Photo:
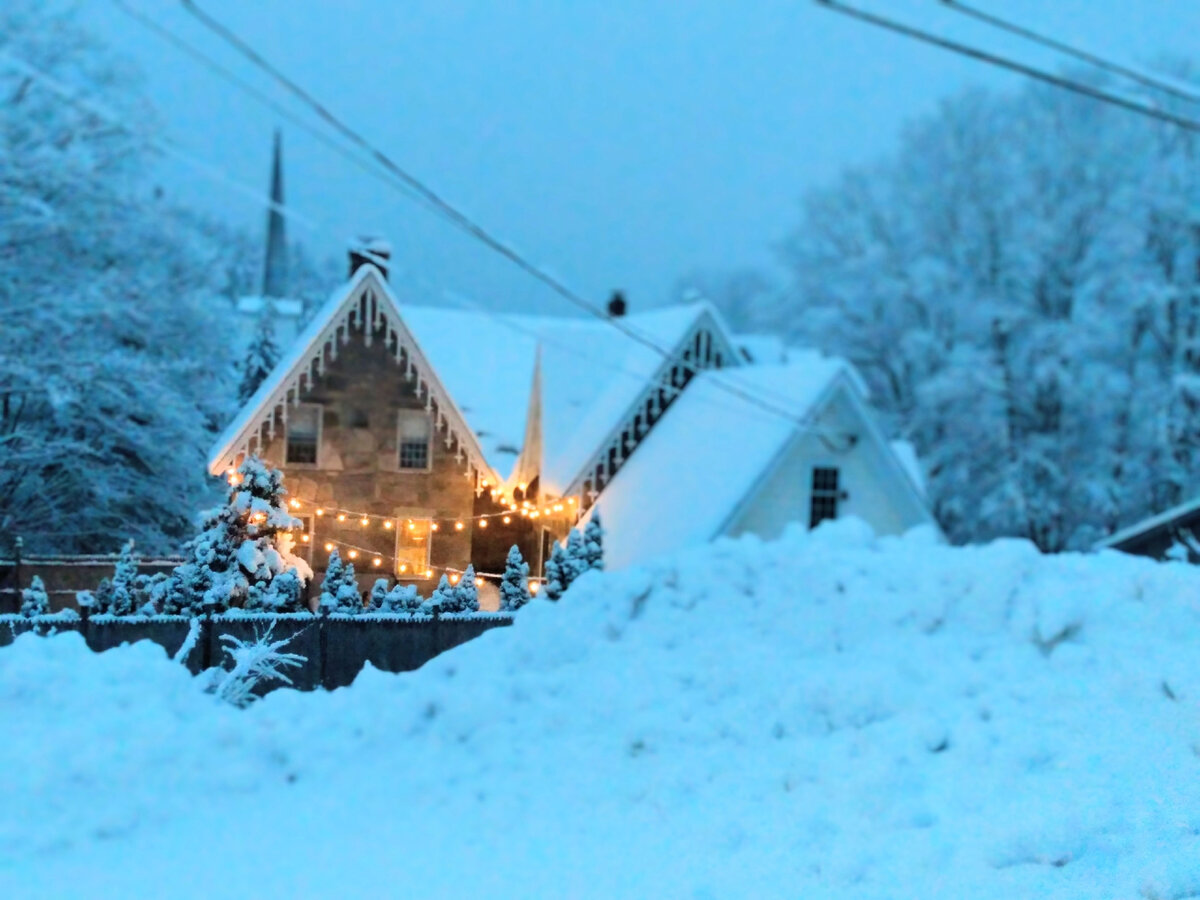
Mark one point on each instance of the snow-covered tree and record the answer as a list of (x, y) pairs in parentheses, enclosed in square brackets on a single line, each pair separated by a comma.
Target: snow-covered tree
[(575, 559), (339, 590), (114, 373), (403, 598), (34, 599), (378, 596), (243, 547), (593, 542), (1018, 284), (466, 592), (444, 599), (554, 572), (262, 354), (514, 586), (119, 596)]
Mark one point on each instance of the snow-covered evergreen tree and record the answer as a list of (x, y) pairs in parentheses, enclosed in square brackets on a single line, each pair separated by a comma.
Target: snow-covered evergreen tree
[(244, 545), (261, 356), (339, 590), (122, 590), (593, 542), (34, 599), (379, 592), (554, 571), (514, 586), (467, 592), (444, 599), (575, 559)]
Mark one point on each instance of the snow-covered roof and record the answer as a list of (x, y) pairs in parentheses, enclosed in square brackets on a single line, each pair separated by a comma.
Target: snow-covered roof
[(592, 374), (762, 348), (340, 318), (1183, 510), (706, 454)]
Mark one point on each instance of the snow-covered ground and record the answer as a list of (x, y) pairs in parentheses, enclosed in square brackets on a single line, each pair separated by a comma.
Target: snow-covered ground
[(826, 716)]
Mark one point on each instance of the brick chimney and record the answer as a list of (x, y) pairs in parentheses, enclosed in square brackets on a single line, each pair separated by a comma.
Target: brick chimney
[(373, 250)]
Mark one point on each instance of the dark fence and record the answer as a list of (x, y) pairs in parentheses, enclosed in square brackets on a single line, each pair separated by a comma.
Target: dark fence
[(335, 647), (65, 576)]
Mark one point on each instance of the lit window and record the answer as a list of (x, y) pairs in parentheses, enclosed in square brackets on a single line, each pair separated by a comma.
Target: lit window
[(304, 434), (414, 438), (412, 546), (825, 495)]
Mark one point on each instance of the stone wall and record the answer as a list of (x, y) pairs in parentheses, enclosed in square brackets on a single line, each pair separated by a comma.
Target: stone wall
[(357, 469)]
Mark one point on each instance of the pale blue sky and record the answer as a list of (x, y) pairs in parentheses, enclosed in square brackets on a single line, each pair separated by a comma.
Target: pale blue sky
[(618, 142)]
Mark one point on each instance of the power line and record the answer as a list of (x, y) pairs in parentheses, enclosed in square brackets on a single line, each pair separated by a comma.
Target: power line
[(447, 210), (163, 145), (224, 73), (1147, 79), (1008, 64)]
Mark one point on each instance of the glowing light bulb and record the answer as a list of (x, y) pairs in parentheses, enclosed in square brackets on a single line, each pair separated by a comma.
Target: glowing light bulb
[(506, 520), (522, 485), (387, 524), (412, 526), (429, 573), (571, 500), (454, 578), (329, 548), (295, 504), (533, 587), (353, 554), (403, 567), (434, 526), (305, 538), (364, 521), (341, 517), (486, 482), (458, 526), (534, 514), (320, 512), (558, 507), (478, 582), (483, 523), (377, 561)]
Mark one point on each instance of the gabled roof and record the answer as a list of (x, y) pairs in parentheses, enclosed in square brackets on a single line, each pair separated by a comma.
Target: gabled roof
[(591, 375), (366, 297), (708, 455)]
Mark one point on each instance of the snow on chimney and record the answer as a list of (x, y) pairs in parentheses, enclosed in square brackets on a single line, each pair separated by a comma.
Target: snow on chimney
[(373, 250)]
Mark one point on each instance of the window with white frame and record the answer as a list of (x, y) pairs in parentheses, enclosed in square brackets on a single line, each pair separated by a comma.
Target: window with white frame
[(412, 547), (415, 433), (304, 434), (303, 539), (826, 492)]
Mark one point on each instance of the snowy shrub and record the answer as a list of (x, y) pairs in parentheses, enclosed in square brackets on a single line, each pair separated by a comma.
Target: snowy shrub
[(514, 586), (575, 562), (466, 592), (555, 572), (121, 594), (444, 599), (254, 662), (593, 542), (403, 598), (339, 590), (243, 547), (34, 599), (379, 592)]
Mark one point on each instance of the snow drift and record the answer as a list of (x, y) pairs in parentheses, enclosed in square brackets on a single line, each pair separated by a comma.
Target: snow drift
[(830, 715)]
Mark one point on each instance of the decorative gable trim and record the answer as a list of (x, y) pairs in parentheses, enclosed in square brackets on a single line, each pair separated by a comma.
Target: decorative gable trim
[(706, 345), (367, 308)]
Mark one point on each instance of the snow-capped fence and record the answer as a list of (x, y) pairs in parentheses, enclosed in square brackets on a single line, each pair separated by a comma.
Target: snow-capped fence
[(336, 647)]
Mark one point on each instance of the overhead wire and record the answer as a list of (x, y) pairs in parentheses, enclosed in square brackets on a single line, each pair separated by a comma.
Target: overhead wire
[(451, 213), (1146, 79), (1011, 65)]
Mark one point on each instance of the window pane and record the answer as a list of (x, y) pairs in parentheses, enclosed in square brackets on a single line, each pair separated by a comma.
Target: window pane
[(415, 432), (412, 547), (303, 428), (825, 495)]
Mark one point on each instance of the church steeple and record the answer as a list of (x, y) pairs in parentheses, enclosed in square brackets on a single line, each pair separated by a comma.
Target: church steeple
[(275, 265)]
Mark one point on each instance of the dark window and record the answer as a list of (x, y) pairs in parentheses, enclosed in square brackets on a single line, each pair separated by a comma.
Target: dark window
[(415, 434), (303, 434), (825, 495), (359, 419)]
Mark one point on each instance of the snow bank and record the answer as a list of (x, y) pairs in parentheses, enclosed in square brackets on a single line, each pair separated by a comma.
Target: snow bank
[(826, 716)]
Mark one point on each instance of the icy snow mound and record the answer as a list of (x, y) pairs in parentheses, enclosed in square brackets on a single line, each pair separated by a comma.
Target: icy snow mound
[(829, 715)]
